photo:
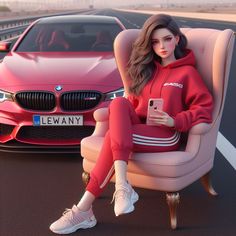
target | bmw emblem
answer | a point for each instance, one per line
(58, 88)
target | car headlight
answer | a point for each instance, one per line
(114, 94)
(5, 96)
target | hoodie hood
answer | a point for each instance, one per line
(187, 60)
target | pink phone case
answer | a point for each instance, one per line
(154, 104)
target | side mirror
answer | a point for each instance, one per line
(5, 46)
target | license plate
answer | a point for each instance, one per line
(41, 120)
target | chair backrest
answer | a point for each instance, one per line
(213, 51)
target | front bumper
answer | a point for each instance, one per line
(17, 147)
(18, 131)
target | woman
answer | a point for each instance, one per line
(160, 66)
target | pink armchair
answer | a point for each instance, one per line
(173, 171)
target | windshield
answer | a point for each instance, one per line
(71, 37)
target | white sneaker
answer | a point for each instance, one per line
(72, 220)
(124, 197)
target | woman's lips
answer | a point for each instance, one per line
(163, 52)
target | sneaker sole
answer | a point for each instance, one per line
(134, 199)
(83, 225)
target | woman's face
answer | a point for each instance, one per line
(164, 43)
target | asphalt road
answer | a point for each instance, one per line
(36, 188)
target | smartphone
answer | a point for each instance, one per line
(154, 104)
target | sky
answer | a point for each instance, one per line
(128, 2)
(104, 3)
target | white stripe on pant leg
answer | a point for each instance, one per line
(160, 143)
(173, 138)
(156, 141)
(153, 138)
(157, 144)
(110, 173)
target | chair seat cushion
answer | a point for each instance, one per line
(166, 164)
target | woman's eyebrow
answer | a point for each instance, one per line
(166, 36)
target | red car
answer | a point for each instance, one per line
(56, 75)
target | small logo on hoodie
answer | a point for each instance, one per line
(174, 85)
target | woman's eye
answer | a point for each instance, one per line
(154, 42)
(168, 39)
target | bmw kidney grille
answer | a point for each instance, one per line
(69, 101)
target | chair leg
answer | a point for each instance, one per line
(173, 200)
(85, 178)
(206, 182)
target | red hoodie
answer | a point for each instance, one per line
(186, 98)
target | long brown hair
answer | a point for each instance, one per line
(141, 65)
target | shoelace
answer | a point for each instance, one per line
(68, 213)
(122, 192)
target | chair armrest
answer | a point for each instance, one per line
(101, 117)
(200, 128)
(194, 137)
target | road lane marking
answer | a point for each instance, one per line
(226, 149)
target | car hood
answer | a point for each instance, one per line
(29, 70)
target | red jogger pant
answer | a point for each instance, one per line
(127, 134)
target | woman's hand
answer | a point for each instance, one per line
(162, 118)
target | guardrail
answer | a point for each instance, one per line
(14, 27)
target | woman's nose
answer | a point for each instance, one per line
(162, 44)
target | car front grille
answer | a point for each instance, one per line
(80, 100)
(70, 101)
(54, 133)
(40, 101)
(6, 129)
